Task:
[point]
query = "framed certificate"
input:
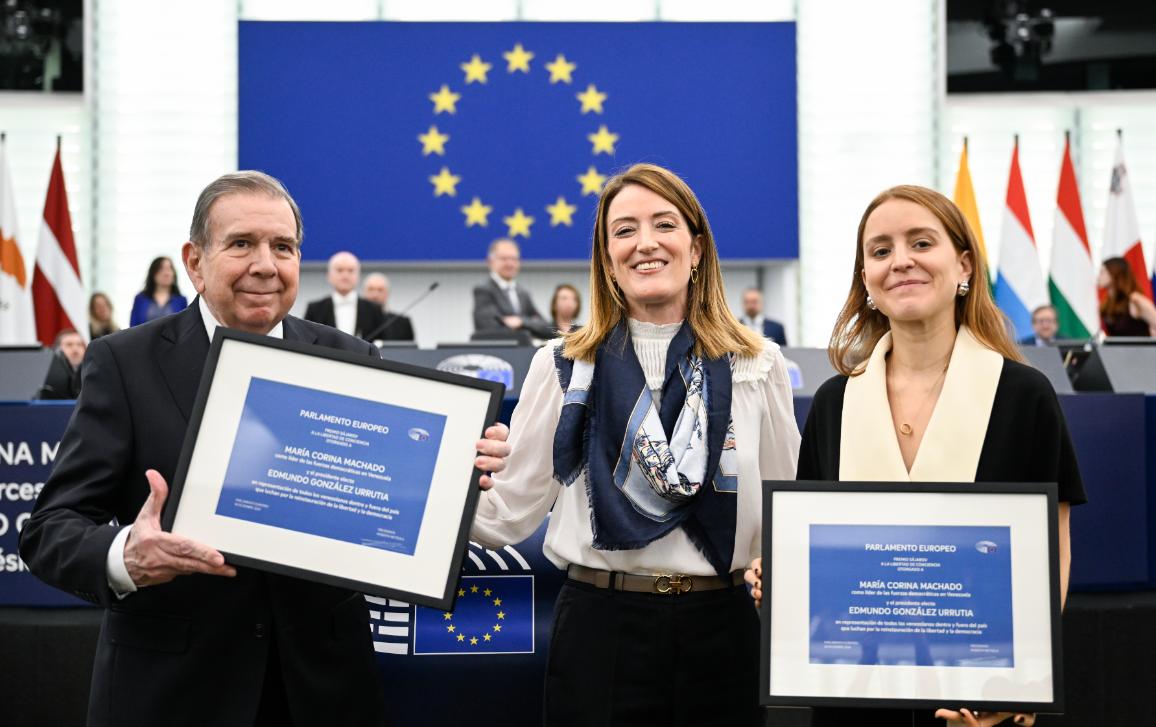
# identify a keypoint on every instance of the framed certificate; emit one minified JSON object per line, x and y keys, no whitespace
{"x":910,"y":595}
{"x":333,"y":466}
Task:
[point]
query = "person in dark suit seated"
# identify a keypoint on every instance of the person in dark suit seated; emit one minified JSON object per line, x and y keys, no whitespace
{"x":564,"y":308}
{"x":500,"y":304}
{"x":1045,"y":325}
{"x":188,"y":639}
{"x":754,"y":319}
{"x":344,"y":309}
{"x":394,"y":327}
{"x":63,"y":378}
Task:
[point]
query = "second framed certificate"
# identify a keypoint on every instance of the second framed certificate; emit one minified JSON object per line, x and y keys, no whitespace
{"x":911,"y":595}
{"x":333,"y":466}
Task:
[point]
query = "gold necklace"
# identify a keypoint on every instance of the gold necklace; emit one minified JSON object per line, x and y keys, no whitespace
{"x":906,"y":429}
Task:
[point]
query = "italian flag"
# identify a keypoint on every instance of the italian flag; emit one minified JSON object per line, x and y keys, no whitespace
{"x":1121,"y":229}
{"x":1072,"y":283}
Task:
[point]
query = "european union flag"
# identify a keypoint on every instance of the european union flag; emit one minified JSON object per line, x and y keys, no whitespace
{"x":492,"y":615}
{"x":407,"y":141}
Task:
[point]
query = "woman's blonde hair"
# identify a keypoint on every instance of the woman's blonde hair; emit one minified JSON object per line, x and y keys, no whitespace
{"x":717,"y":332}
{"x":859,"y":328}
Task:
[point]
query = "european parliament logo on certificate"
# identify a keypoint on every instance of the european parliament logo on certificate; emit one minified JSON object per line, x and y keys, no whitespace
{"x":332,"y":466}
{"x":919,"y":595}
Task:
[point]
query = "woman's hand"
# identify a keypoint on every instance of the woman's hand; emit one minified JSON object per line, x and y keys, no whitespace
{"x":983,"y":719}
{"x":754,"y":579}
{"x":492,"y":453}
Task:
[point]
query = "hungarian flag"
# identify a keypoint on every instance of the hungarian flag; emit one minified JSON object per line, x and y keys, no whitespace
{"x":964,"y":199}
{"x":16,"y":323}
{"x":56,"y":289}
{"x":1020,"y":286}
{"x":1122,"y":230}
{"x":1072,"y":283}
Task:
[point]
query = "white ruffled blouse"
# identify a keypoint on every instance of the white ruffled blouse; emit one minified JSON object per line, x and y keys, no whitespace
{"x":766,"y":440}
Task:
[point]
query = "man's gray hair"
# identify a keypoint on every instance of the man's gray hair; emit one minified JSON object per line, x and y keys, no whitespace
{"x":244,"y":182}
{"x":500,"y":241}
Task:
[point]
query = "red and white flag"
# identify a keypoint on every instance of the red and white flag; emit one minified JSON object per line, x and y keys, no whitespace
{"x":16,"y":322}
{"x":1122,"y":229}
{"x":56,"y":289}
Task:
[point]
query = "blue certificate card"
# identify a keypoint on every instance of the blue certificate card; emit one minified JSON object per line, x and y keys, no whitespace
{"x":331,"y":465}
{"x":911,"y":595}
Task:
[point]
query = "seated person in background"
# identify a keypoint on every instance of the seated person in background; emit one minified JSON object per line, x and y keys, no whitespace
{"x":565,"y":307}
{"x":344,"y":309}
{"x":1124,"y":310}
{"x":100,"y":322}
{"x":754,"y":319}
{"x":1044,"y":327}
{"x":500,"y":303}
{"x":394,"y":327}
{"x":63,"y":378}
{"x":160,"y":296}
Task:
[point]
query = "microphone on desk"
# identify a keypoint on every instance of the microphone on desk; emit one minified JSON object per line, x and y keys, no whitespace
{"x":376,"y":333}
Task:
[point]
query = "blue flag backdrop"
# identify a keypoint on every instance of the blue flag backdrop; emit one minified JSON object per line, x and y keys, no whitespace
{"x":414,"y":141}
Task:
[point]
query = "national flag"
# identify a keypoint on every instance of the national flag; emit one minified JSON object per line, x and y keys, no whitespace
{"x":492,"y":615}
{"x":16,"y":321}
{"x":1122,"y":229}
{"x":1072,"y":281}
{"x":465,"y":132}
{"x":964,"y":199}
{"x":56,"y":289}
{"x":1020,"y":286}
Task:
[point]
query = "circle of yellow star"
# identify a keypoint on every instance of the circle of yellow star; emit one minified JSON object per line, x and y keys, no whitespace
{"x":447,"y":616}
{"x":561,"y":69}
{"x":487,"y":593}
{"x":498,"y":601}
{"x":516,"y":224}
{"x":445,"y":182}
{"x":518,"y":59}
{"x":487,"y":637}
{"x":461,"y":637}
{"x":451,"y":628}
{"x":561,"y":212}
{"x":591,"y":182}
{"x":433,"y":142}
{"x":602,"y":140}
{"x":461,"y":592}
{"x":476,"y":69}
{"x":591,"y":99}
{"x":473,"y":641}
{"x":497,"y":627}
{"x":501,"y":615}
{"x":473,"y":589}
{"x":476,"y":214}
{"x":445,"y":100}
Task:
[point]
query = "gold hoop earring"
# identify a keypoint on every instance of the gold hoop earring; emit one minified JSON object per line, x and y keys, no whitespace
{"x":694,"y":276}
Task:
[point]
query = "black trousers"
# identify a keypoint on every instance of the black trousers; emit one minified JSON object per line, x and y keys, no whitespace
{"x":642,"y":659}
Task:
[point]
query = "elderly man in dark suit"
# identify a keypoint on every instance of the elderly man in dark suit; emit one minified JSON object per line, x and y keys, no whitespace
{"x":500,"y":304}
{"x":754,"y":319}
{"x":344,"y":309}
{"x":394,"y":326}
{"x":188,"y":639}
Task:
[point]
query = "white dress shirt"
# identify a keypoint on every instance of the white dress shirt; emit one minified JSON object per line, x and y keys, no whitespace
{"x":118,"y":578}
{"x":510,"y":288}
{"x":345,"y":312}
{"x":767,"y":443}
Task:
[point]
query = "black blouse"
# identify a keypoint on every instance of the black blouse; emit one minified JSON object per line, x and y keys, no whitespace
{"x":1027,"y":438}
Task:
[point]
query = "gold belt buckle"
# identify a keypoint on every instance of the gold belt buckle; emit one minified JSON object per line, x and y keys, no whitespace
{"x":673,"y":584}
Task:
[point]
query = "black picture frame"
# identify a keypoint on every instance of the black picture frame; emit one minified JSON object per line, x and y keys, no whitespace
{"x":800,"y":695}
{"x":470,"y":405}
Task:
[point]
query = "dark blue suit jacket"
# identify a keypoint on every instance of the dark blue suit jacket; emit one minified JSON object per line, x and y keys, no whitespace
{"x":774,"y":331}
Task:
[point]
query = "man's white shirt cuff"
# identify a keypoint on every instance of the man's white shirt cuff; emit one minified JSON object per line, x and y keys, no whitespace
{"x":118,"y":578}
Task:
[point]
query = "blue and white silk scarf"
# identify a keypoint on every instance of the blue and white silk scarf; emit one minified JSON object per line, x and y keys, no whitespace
{"x":650,"y":466}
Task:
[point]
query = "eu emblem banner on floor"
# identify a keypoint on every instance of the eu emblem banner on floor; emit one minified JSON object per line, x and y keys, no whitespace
{"x":407,"y":141}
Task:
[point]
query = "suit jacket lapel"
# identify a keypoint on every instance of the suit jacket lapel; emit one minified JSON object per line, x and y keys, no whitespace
{"x":181,"y":355}
{"x":295,"y":330}
{"x":503,"y":299}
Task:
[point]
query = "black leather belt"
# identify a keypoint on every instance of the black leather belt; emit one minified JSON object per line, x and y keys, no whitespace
{"x":667,"y":584}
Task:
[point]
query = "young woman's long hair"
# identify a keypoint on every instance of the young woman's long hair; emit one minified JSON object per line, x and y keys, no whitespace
{"x":1121,"y":285}
{"x":150,"y":286}
{"x":717,"y":332}
{"x":859,"y":328}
